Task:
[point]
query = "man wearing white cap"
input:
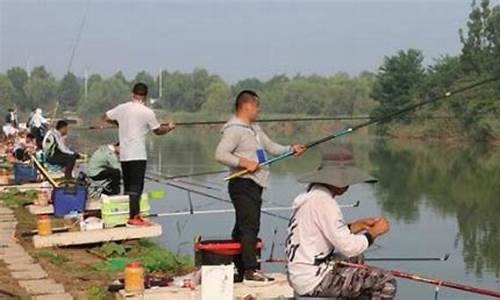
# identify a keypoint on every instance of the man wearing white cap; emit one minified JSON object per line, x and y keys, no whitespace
{"x":318,"y":236}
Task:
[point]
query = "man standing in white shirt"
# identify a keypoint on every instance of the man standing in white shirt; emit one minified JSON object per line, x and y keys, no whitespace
{"x":318,"y":236}
{"x":135,"y":120}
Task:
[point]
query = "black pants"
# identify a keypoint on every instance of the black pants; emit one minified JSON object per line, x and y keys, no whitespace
{"x":134,"y":172}
{"x":113,"y":175}
{"x":67,"y":161}
{"x":38,"y":133}
{"x":246,"y":197}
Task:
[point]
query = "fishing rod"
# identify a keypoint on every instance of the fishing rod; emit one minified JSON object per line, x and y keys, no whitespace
{"x":72,"y":57}
{"x":436,"y":282}
{"x":186,"y":182}
{"x":229,"y":210}
{"x":205,"y":194}
{"x":220,"y":122}
{"x":194,"y":174}
{"x":305,"y":119}
{"x":382,"y":119}
{"x":442,"y":258}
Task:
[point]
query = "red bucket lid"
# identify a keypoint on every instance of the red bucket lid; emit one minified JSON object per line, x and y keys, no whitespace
{"x":134,"y":265}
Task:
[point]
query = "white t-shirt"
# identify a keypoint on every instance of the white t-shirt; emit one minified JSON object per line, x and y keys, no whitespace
{"x":316,"y":230}
{"x":135,"y":120}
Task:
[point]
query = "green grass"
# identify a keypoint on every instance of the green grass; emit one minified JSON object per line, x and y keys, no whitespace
{"x":14,"y":198}
{"x":153,"y":257}
{"x":53,"y":258}
{"x":96,"y":293}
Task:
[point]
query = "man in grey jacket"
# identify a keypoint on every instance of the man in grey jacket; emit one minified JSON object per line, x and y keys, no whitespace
{"x":244,"y":146}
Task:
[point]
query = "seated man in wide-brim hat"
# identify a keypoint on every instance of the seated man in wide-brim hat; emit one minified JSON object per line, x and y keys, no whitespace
{"x":318,"y":236}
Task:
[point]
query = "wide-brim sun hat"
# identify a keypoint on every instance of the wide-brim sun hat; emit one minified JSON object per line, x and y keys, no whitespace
{"x":338,"y":171}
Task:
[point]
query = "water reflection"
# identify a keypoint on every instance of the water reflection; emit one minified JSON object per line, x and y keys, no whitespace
{"x":460,"y":182}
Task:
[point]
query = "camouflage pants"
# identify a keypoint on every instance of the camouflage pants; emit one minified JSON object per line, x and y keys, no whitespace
{"x":348,"y":283}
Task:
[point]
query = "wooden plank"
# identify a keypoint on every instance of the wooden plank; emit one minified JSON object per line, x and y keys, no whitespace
{"x":92,"y":204}
{"x":22,"y":187}
{"x":277,"y":289}
{"x":96,"y":236}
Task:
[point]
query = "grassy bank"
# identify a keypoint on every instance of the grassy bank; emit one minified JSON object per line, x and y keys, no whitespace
{"x":87,"y":271}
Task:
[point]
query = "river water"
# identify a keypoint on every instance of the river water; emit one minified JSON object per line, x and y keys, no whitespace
{"x":439,"y":199}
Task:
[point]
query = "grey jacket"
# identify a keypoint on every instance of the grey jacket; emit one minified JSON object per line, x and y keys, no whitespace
{"x":243,"y":140}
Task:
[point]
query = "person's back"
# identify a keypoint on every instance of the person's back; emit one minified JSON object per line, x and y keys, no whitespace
{"x":102,"y":159}
{"x":135,"y":121}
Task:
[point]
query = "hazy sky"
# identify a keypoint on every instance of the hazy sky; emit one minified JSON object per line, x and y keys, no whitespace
{"x":235,"y":39}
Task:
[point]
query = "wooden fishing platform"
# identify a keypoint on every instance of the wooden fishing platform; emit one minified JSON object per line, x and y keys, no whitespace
{"x":96,"y":236}
{"x":92,"y":204}
{"x":28,"y":186}
{"x":22,"y":187}
{"x":278,"y":289}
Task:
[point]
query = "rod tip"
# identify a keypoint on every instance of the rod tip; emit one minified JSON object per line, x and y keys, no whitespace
{"x":446,"y":256}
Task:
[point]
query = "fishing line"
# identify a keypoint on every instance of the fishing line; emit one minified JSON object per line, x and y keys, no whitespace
{"x":380,"y":120}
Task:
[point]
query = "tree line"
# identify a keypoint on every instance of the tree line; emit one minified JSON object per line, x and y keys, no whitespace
{"x":401,"y":80}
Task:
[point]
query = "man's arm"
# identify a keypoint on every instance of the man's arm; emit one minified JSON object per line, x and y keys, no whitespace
{"x":108,"y":120}
{"x":164,"y":129}
{"x":270,"y":146}
{"x":277,"y":149}
{"x":330,"y":220}
{"x":224,"y":151}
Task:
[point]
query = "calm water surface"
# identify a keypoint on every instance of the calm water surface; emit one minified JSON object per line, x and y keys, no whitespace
{"x":439,"y":199}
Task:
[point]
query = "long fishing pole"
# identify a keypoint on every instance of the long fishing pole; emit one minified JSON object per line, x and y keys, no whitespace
{"x":197,"y":184}
{"x":229,"y":210}
{"x":437,"y":282}
{"x":442,"y":258}
{"x":72,"y":57}
{"x":174,"y":178}
{"x":194,"y":174}
{"x":204,"y":194}
{"x":305,"y":119}
{"x":220,"y":122}
{"x":368,"y":123}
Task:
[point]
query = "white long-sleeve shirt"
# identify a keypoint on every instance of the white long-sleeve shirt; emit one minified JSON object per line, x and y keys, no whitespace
{"x":54,"y":140}
{"x":316,"y":230}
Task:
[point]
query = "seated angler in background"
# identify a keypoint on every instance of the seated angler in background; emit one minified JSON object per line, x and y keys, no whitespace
{"x":104,"y":164}
{"x":24,"y":146}
{"x":56,"y":151}
{"x":38,"y":126}
{"x":318,"y":237}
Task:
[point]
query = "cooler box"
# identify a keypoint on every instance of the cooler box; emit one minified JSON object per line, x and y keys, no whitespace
{"x":115,"y":209}
{"x":69,"y":199}
{"x":24,"y":173}
{"x":221,"y":252}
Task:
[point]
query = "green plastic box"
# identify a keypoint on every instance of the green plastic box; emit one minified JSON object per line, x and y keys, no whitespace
{"x":115,"y":209}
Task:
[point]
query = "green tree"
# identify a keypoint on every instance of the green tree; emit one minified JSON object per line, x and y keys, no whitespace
{"x":69,"y":91}
{"x":7,"y":94}
{"x":93,"y":79}
{"x":218,"y":98}
{"x":398,"y":81}
{"x":19,"y":77}
{"x":40,"y":91}
{"x":40,"y":72}
{"x":103,"y":95}
{"x":186,"y":91}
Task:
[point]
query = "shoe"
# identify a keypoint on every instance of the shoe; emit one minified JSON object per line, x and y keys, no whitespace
{"x":138,"y":222}
{"x":256,"y":278}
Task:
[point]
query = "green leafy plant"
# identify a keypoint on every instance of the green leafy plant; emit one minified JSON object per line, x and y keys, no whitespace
{"x":54,"y":258}
{"x":112,"y":249}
